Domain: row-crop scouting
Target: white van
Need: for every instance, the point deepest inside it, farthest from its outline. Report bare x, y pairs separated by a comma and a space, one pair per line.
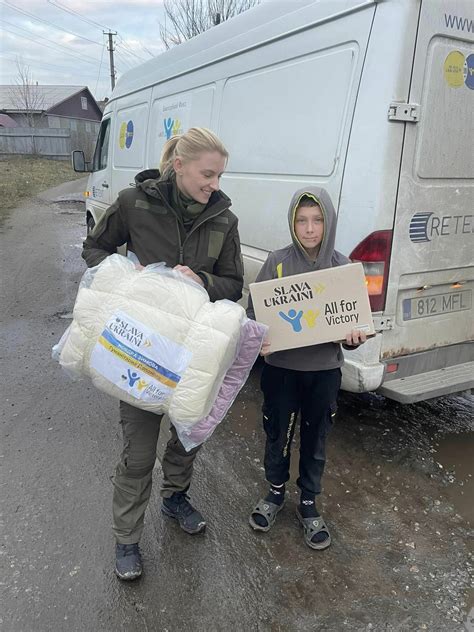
373, 100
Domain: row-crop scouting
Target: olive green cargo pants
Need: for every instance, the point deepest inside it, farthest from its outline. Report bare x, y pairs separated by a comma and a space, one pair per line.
133, 474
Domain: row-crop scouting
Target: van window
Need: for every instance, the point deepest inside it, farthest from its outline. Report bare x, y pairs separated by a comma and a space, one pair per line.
443, 152
292, 113
102, 148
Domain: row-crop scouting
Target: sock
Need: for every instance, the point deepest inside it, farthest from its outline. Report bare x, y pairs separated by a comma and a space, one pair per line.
276, 495
308, 505
308, 510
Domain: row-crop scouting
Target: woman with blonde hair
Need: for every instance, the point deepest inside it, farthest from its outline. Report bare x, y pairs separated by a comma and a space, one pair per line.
177, 215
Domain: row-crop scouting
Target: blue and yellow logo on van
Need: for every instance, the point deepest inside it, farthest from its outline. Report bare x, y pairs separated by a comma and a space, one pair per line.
126, 135
172, 127
459, 70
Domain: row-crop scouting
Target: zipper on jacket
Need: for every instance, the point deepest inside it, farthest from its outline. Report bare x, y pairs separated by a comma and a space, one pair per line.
182, 243
203, 222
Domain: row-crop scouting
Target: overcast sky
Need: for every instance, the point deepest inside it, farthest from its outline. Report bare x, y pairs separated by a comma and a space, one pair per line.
68, 47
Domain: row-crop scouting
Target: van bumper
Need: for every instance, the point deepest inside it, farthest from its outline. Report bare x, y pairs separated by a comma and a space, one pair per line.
433, 373
421, 376
362, 370
416, 388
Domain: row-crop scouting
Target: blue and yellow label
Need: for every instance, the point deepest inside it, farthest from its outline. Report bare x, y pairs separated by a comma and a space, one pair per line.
126, 135
138, 360
459, 70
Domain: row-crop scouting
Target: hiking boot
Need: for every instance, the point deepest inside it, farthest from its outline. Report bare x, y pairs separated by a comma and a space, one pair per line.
179, 508
128, 561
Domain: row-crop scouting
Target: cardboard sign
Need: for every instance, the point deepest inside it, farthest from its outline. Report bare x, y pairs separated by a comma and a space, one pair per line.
315, 307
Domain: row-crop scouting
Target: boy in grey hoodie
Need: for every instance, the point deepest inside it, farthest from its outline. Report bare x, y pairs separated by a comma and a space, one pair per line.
301, 381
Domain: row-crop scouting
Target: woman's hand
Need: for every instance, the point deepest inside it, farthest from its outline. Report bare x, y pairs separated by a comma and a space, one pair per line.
355, 338
265, 350
189, 273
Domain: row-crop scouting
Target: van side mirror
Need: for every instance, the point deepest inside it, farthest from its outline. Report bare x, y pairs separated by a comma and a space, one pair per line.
79, 163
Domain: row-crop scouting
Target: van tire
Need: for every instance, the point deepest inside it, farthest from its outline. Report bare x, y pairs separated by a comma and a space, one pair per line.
90, 224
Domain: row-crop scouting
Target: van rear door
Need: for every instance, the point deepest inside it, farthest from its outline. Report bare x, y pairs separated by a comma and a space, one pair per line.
430, 289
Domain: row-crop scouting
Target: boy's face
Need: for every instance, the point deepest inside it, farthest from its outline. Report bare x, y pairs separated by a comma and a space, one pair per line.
309, 227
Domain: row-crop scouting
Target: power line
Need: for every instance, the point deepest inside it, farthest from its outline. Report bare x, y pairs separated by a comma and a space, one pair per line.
34, 64
123, 60
45, 39
147, 51
131, 63
60, 6
59, 28
100, 67
128, 48
83, 57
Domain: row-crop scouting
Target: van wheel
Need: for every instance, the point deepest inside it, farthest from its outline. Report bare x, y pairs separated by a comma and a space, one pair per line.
90, 224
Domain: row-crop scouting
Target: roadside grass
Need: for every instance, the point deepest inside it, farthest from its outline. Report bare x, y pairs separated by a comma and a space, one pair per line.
23, 177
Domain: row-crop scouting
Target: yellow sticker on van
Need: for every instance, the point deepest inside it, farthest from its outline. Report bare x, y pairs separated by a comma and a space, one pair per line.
454, 69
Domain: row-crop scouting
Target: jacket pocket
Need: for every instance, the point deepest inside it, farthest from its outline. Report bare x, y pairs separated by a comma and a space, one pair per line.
216, 241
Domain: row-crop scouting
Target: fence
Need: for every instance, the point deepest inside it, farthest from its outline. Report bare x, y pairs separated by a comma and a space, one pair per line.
51, 143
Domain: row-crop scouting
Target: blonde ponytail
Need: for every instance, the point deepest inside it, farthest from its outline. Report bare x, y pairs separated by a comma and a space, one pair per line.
188, 147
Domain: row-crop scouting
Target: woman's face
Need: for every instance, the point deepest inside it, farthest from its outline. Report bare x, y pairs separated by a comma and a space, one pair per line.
199, 178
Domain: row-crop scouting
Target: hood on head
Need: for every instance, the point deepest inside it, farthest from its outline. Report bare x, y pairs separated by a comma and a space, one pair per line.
326, 249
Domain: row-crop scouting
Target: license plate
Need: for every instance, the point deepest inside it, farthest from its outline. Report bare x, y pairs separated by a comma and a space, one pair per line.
436, 304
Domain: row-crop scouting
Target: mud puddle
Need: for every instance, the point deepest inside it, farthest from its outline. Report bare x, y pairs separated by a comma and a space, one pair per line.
401, 473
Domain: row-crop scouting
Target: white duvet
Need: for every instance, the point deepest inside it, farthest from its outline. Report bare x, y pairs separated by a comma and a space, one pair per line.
151, 338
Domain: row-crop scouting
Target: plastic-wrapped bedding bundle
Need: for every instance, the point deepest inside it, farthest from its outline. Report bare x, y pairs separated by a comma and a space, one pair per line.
152, 338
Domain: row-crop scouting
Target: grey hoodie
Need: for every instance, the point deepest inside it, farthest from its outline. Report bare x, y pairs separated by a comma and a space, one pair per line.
294, 260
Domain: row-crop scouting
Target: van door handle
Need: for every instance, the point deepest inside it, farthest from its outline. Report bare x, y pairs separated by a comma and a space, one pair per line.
105, 185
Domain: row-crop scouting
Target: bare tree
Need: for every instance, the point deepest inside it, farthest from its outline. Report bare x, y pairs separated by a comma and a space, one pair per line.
188, 18
25, 95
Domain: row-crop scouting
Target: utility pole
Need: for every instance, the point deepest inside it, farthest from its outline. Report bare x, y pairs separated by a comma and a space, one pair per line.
111, 49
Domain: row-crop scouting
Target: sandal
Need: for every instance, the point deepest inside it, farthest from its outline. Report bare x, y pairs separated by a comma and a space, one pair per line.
312, 526
266, 510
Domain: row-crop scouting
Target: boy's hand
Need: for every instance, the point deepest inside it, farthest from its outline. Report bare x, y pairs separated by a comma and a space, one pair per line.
265, 350
355, 338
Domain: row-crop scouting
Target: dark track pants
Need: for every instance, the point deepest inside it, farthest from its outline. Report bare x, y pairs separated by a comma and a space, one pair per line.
286, 393
133, 474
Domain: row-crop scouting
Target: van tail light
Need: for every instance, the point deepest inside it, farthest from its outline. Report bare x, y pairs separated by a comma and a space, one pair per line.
374, 254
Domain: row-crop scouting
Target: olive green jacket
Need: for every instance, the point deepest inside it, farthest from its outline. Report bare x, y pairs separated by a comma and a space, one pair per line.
143, 218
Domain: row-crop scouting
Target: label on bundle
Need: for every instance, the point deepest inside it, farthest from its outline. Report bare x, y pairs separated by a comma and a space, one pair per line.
143, 363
